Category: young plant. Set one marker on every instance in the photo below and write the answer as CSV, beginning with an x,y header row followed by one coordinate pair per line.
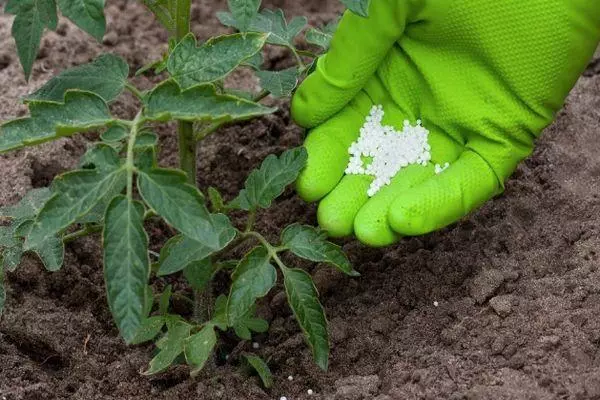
x,y
120,188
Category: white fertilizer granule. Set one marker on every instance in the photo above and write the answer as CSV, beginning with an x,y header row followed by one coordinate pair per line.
x,y
386,150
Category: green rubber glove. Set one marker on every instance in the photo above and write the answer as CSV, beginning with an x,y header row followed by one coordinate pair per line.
x,y
484,76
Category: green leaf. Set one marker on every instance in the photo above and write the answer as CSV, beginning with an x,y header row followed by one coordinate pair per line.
x,y
51,252
81,111
146,139
261,368
165,299
216,200
243,12
86,14
198,348
180,204
171,346
359,7
280,32
105,76
101,157
199,103
199,273
268,182
322,38
181,251
279,83
28,206
126,264
145,159
310,243
162,11
190,65
255,62
304,301
12,248
76,193
253,278
242,331
115,133
32,17
2,292
149,329
220,314
257,325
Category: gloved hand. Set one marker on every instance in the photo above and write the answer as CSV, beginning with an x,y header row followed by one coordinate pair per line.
x,y
484,76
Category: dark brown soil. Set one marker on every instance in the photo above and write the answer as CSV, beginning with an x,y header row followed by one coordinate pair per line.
x,y
503,305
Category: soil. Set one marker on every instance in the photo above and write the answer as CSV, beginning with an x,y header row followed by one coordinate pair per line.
x,y
503,305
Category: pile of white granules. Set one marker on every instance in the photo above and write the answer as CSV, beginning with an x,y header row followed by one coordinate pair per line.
x,y
387,149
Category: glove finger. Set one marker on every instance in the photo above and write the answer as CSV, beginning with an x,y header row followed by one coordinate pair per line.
x,y
371,225
327,147
444,198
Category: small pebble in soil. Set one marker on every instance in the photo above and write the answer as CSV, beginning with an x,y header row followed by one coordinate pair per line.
x,y
290,378
283,398
255,345
310,392
436,304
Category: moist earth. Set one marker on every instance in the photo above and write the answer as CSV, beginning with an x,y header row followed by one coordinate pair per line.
x,y
502,305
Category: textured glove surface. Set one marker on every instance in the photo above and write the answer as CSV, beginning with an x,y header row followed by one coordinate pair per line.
x,y
484,76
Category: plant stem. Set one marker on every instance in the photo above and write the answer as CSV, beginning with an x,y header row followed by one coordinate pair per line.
x,y
272,250
81,233
251,220
135,91
129,163
298,58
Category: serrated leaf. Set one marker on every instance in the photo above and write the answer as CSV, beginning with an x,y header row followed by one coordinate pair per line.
x,y
243,12
51,252
253,278
171,346
126,264
199,273
199,103
220,314
161,9
304,301
75,194
261,368
149,329
179,203
11,247
359,7
115,133
86,14
28,206
181,251
101,157
322,38
105,76
310,243
190,65
255,62
274,23
32,17
81,111
147,139
279,83
198,348
267,183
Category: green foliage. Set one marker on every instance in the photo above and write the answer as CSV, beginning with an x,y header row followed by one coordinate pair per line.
x,y
269,181
311,244
126,264
253,278
32,17
304,301
279,83
199,103
120,188
216,58
261,368
199,347
86,14
322,37
106,77
81,111
359,7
